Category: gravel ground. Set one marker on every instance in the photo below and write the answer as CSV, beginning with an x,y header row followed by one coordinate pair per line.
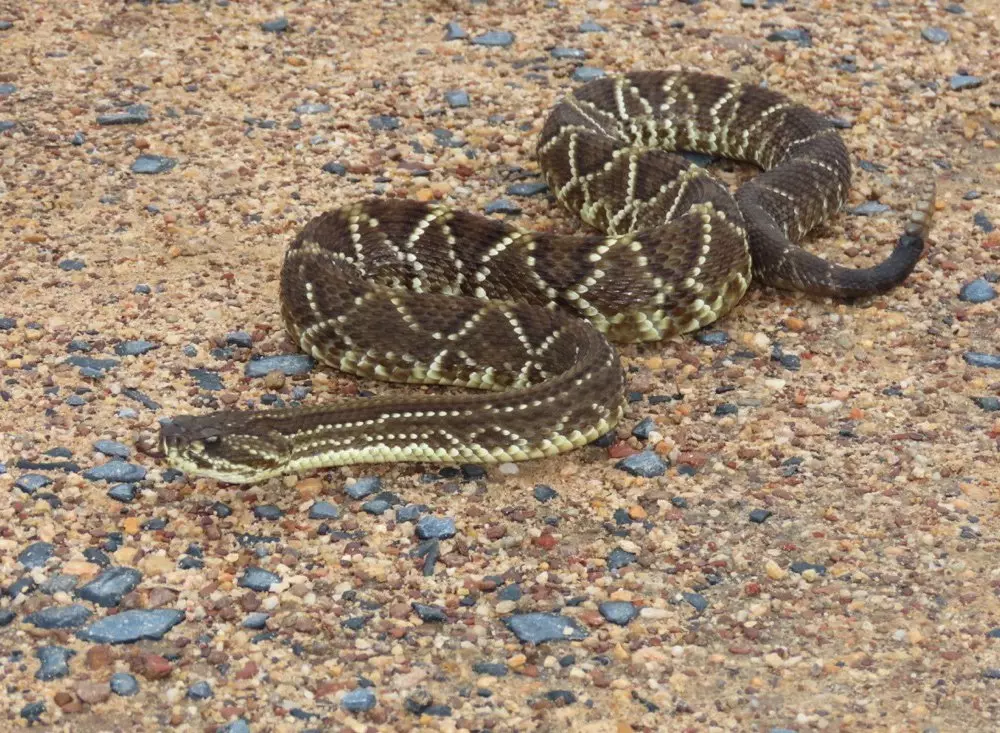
x,y
795,529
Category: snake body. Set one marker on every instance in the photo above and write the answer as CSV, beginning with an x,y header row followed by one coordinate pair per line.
x,y
421,293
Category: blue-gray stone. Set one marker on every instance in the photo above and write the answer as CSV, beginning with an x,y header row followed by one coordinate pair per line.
x,y
124,684
110,586
619,558
646,464
502,39
590,26
977,291
453,31
153,164
135,348
29,483
276,25
992,673
800,566
132,625
125,493
428,613
493,669
644,428
258,579
364,486
993,633
378,507
544,493
527,188
384,122
291,365
7,89
759,516
89,362
78,139
207,379
979,359
358,701
457,98
989,404
200,691
870,208
112,448
538,628
239,338
6,25
934,34
726,408
116,471
33,711
313,108
697,600
563,52
134,114
583,74
618,612
324,510
799,35
235,726
36,554
409,513
435,528
71,265
7,125
268,512
502,206
55,662
983,222
338,169
965,81
256,620
60,583
59,617
7,323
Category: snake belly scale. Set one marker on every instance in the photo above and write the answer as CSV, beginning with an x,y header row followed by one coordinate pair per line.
x,y
409,292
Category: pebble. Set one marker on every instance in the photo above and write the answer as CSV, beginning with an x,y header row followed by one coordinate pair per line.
x,y
799,35
71,265
870,208
644,428
544,493
977,291
110,586
502,206
312,108
6,617
256,620
7,89
934,34
324,510
453,31
153,164
258,579
112,448
714,337
55,662
234,726
29,483
583,74
268,512
435,528
59,617
78,139
646,464
563,52
32,712
207,379
457,98
358,701
338,169
590,26
134,114
989,404
759,516
135,348
93,692
200,691
276,25
538,628
979,359
983,222
491,669
384,122
697,600
116,471
132,625
376,506
618,612
502,39
527,188
6,25
801,566
365,486
291,365
36,554
124,684
125,493
429,613
619,558
964,81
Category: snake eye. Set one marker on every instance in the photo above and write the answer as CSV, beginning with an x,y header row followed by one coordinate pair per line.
x,y
211,439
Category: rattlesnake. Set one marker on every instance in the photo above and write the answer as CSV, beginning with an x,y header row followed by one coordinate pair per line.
x,y
412,292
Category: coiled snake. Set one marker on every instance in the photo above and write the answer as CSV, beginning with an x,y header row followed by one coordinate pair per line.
x,y
410,292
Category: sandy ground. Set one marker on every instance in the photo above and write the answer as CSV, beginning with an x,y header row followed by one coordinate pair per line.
x,y
864,600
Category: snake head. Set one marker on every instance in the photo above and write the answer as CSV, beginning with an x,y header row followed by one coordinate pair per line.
x,y
229,446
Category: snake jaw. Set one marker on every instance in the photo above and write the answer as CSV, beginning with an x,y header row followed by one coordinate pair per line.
x,y
224,446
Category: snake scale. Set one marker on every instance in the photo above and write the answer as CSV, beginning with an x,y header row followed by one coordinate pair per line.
x,y
421,293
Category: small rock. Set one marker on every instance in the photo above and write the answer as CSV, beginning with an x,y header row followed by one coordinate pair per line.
x,y
338,169
258,579
544,493
457,98
32,712
36,554
644,428
324,510
135,114
153,164
799,35
934,34
453,31
125,493
430,614
538,628
110,586
29,483
93,692
759,516
959,82
492,669
989,404
384,123
268,512
207,379
983,222
619,558
618,612
124,684
501,39
59,617
714,337
977,291
200,691
364,486
437,528
502,206
562,52
359,700
979,359
291,365
312,108
589,26
131,626
646,464
527,188
583,74
697,600
135,348
112,448
116,471
870,208
277,25
55,662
